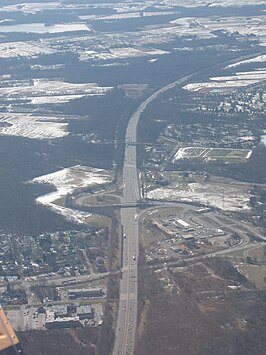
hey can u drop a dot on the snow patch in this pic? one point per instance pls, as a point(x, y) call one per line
point(229, 198)
point(67, 181)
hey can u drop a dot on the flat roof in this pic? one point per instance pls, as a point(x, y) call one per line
point(85, 290)
point(58, 309)
point(84, 309)
point(188, 236)
point(182, 223)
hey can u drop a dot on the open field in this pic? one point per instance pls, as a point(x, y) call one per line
point(212, 154)
point(255, 274)
point(258, 255)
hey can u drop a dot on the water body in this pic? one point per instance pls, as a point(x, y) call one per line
point(44, 28)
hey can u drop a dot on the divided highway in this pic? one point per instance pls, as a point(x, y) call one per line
point(128, 300)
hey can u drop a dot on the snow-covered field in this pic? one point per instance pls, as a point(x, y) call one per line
point(32, 8)
point(226, 83)
point(203, 27)
point(47, 67)
point(223, 3)
point(228, 198)
point(66, 181)
point(121, 53)
point(23, 49)
point(258, 59)
point(41, 91)
point(110, 47)
point(128, 15)
point(244, 25)
point(41, 28)
point(30, 126)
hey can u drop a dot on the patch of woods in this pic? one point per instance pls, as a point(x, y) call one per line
point(212, 310)
point(80, 341)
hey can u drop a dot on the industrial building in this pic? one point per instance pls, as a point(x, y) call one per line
point(59, 311)
point(51, 322)
point(67, 322)
point(188, 237)
point(85, 293)
point(182, 223)
point(85, 312)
